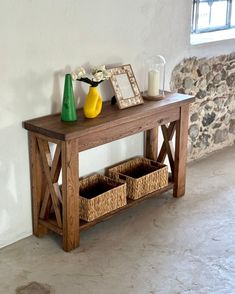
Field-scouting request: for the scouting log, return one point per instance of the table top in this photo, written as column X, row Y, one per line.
column 52, row 126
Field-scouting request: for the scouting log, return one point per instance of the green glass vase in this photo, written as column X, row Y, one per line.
column 68, row 112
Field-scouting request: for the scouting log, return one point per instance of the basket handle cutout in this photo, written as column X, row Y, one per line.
column 155, row 164
column 122, row 177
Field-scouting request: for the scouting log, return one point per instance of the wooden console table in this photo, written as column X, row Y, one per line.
column 57, row 209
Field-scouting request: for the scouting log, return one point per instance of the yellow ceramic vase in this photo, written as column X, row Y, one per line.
column 93, row 103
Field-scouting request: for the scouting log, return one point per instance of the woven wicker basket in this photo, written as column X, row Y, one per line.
column 100, row 195
column 142, row 176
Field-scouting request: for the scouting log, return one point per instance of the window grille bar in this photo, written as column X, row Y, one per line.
column 197, row 15
column 229, row 13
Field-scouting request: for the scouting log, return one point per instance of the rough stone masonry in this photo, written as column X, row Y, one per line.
column 212, row 115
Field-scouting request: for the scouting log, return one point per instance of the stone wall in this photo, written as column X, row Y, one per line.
column 212, row 116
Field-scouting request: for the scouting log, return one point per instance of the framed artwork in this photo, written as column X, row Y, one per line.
column 125, row 87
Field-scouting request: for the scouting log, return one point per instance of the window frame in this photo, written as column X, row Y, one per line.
column 195, row 17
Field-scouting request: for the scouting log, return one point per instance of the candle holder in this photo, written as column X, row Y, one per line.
column 154, row 78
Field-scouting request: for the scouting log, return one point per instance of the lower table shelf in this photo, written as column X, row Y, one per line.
column 51, row 223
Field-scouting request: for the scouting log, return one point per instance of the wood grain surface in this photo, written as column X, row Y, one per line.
column 111, row 116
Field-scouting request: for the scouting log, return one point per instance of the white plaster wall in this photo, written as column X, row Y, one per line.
column 40, row 41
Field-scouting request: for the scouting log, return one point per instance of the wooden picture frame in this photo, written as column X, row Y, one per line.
column 125, row 87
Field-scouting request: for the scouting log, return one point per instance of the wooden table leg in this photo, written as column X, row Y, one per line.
column 70, row 195
column 181, row 141
column 38, row 184
column 151, row 143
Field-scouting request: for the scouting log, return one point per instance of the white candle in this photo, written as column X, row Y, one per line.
column 153, row 82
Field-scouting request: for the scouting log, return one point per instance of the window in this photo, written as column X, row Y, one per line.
column 212, row 15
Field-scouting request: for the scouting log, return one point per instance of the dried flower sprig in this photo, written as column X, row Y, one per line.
column 97, row 76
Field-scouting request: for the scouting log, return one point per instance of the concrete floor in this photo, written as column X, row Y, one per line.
column 164, row 245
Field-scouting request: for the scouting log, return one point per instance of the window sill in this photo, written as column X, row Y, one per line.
column 196, row 39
